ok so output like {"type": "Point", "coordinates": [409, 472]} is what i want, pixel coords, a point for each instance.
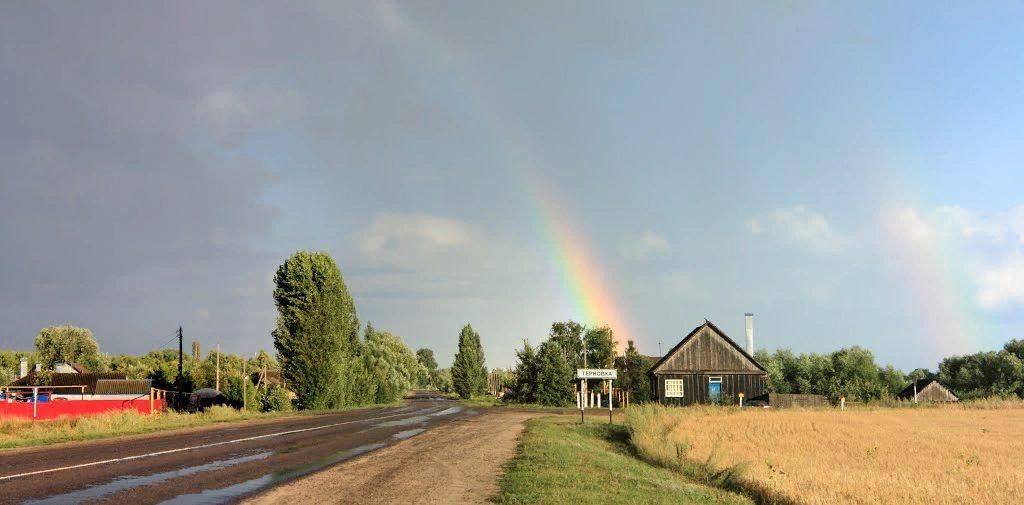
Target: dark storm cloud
{"type": "Point", "coordinates": [113, 218]}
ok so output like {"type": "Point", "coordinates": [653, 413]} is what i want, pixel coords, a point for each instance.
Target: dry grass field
{"type": "Point", "coordinates": [966, 454]}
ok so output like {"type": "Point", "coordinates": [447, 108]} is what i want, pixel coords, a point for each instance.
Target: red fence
{"type": "Point", "coordinates": [76, 408]}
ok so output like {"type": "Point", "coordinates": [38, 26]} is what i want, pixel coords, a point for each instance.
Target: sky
{"type": "Point", "coordinates": [850, 174]}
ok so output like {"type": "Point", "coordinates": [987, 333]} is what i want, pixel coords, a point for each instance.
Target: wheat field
{"type": "Point", "coordinates": [966, 454]}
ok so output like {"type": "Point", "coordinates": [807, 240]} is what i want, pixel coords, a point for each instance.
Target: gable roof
{"type": "Point", "coordinates": [694, 333]}
{"type": "Point", "coordinates": [922, 384]}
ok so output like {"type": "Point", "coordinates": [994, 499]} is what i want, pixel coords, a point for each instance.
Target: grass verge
{"type": "Point", "coordinates": [562, 462]}
{"type": "Point", "coordinates": [22, 433]}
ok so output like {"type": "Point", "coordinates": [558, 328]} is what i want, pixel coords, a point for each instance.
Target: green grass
{"type": "Point", "coordinates": [562, 462]}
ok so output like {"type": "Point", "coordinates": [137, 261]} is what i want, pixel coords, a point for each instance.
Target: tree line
{"type": "Point", "coordinates": [325, 359]}
{"type": "Point", "coordinates": [853, 373]}
{"type": "Point", "coordinates": [72, 344]}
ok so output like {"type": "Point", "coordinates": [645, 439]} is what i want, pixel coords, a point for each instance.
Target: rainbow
{"type": "Point", "coordinates": [937, 290]}
{"type": "Point", "coordinates": [582, 276]}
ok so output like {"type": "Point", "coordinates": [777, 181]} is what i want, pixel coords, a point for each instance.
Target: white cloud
{"type": "Point", "coordinates": [970, 224]}
{"type": "Point", "coordinates": [1002, 284]}
{"type": "Point", "coordinates": [642, 246]}
{"type": "Point", "coordinates": [230, 112]}
{"type": "Point", "coordinates": [906, 224]}
{"type": "Point", "coordinates": [801, 226]}
{"type": "Point", "coordinates": [411, 240]}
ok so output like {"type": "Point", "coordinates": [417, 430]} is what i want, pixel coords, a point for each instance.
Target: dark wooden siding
{"type": "Point", "coordinates": [796, 400]}
{"type": "Point", "coordinates": [707, 350]}
{"type": "Point", "coordinates": [935, 392]}
{"type": "Point", "coordinates": [695, 387]}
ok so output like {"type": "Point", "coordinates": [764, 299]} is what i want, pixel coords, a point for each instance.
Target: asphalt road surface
{"type": "Point", "coordinates": [213, 465]}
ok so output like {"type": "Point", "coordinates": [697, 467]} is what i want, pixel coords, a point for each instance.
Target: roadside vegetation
{"type": "Point", "coordinates": [25, 433]}
{"type": "Point", "coordinates": [941, 454]}
{"type": "Point", "coordinates": [562, 462]}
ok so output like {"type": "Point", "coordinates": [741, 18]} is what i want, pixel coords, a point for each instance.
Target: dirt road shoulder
{"type": "Point", "coordinates": [459, 462]}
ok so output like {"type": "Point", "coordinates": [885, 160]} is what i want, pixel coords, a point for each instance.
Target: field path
{"type": "Point", "coordinates": [459, 462]}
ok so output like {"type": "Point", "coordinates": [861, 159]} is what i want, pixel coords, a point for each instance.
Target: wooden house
{"type": "Point", "coordinates": [927, 390]}
{"type": "Point", "coordinates": [706, 367]}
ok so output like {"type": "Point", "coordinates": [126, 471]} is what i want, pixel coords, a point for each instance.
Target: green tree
{"type": "Point", "coordinates": [426, 358]}
{"type": "Point", "coordinates": [68, 344]}
{"type": "Point", "coordinates": [525, 388]}
{"type": "Point", "coordinates": [317, 329]}
{"type": "Point", "coordinates": [600, 345]}
{"type": "Point", "coordinates": [469, 374]}
{"type": "Point", "coordinates": [394, 366]}
{"type": "Point", "coordinates": [554, 375]}
{"type": "Point", "coordinates": [633, 375]}
{"type": "Point", "coordinates": [919, 374]}
{"type": "Point", "coordinates": [569, 336]}
{"type": "Point", "coordinates": [1016, 348]}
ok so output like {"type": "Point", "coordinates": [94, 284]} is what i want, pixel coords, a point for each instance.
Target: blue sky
{"type": "Point", "coordinates": [849, 173]}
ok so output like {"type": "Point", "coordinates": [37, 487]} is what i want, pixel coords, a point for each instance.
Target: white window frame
{"type": "Point", "coordinates": [717, 379]}
{"type": "Point", "coordinates": [678, 389]}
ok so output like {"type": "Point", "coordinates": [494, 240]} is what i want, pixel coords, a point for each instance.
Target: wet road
{"type": "Point", "coordinates": [216, 465]}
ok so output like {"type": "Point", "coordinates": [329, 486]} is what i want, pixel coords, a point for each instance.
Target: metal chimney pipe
{"type": "Point", "coordinates": [24, 367]}
{"type": "Point", "coordinates": [749, 316]}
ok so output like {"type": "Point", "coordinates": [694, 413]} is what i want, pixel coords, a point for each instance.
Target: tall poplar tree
{"type": "Point", "coordinates": [469, 373]}
{"type": "Point", "coordinates": [316, 328]}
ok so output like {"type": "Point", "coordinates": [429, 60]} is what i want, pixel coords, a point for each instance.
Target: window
{"type": "Point", "coordinates": [673, 388]}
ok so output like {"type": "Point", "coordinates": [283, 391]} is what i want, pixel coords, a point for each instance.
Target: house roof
{"type": "Point", "coordinates": [693, 333]}
{"type": "Point", "coordinates": [58, 380]}
{"type": "Point", "coordinates": [908, 392]}
{"type": "Point", "coordinates": [80, 368]}
{"type": "Point", "coordinates": [122, 387]}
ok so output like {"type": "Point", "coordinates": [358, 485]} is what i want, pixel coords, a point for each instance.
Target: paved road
{"type": "Point", "coordinates": [215, 465]}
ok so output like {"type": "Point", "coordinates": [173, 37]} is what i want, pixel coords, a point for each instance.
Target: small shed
{"type": "Point", "coordinates": [927, 390]}
{"type": "Point", "coordinates": [706, 367]}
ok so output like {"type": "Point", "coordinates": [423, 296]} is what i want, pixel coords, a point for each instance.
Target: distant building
{"type": "Point", "coordinates": [927, 390]}
{"type": "Point", "coordinates": [706, 367]}
{"type": "Point", "coordinates": [82, 385]}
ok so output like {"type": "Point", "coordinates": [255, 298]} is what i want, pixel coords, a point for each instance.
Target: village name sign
{"type": "Point", "coordinates": [597, 373]}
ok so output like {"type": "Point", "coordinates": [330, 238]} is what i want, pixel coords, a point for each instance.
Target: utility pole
{"type": "Point", "coordinates": [181, 361]}
{"type": "Point", "coordinates": [218, 367]}
{"type": "Point", "coordinates": [245, 379]}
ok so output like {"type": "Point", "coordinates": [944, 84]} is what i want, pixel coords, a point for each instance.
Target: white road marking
{"type": "Point", "coordinates": [194, 447]}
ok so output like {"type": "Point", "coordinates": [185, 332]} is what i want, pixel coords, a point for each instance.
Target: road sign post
{"type": "Point", "coordinates": [607, 375]}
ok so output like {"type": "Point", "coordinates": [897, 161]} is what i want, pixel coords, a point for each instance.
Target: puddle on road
{"type": "Point", "coordinates": [222, 495]}
{"type": "Point", "coordinates": [402, 435]}
{"type": "Point", "coordinates": [408, 421]}
{"type": "Point", "coordinates": [418, 420]}
{"type": "Point", "coordinates": [236, 491]}
{"type": "Point", "coordinates": [132, 481]}
{"type": "Point", "coordinates": [447, 412]}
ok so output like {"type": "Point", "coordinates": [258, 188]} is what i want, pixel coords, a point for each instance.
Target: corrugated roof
{"type": "Point", "coordinates": [59, 380]}
{"type": "Point", "coordinates": [123, 387]}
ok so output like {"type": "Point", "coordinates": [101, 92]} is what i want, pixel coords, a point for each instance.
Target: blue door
{"type": "Point", "coordinates": [715, 390]}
